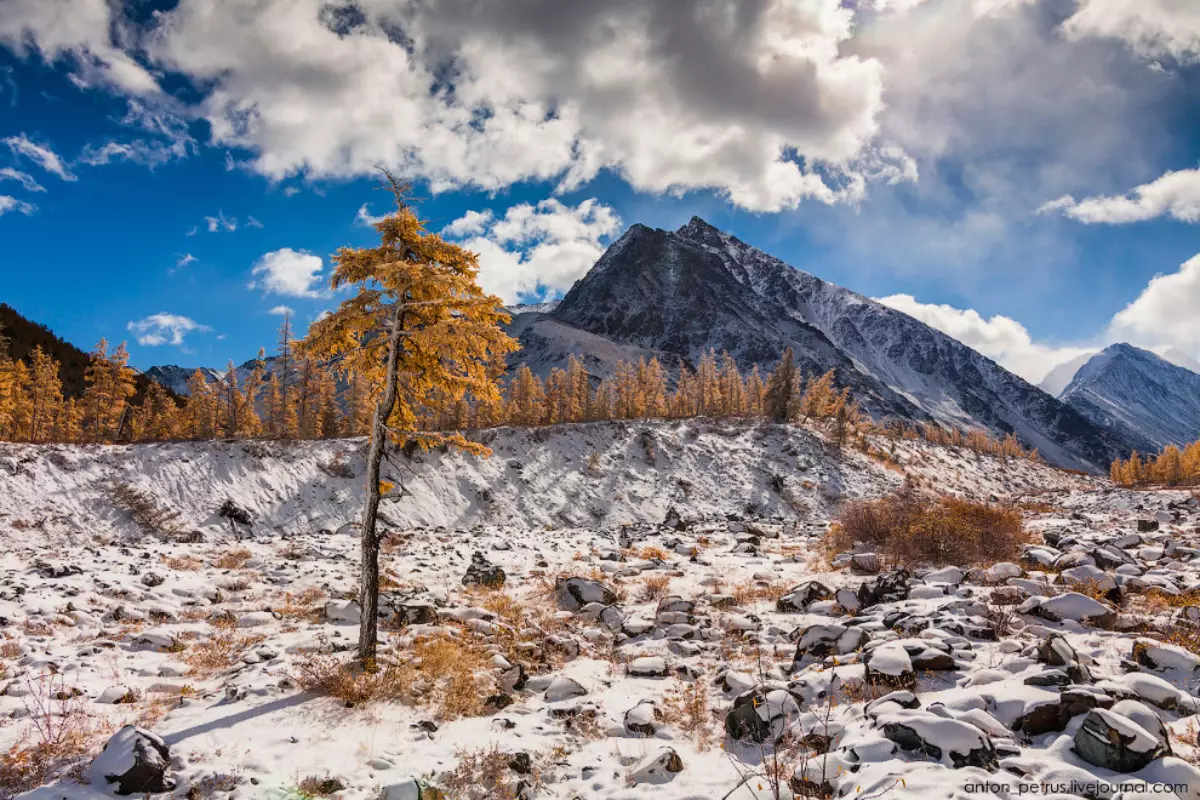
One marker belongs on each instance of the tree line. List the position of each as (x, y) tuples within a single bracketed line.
[(297, 396), (1173, 466)]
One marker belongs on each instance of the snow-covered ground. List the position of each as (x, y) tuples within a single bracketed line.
[(727, 624)]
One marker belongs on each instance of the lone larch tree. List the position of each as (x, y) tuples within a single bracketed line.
[(424, 335)]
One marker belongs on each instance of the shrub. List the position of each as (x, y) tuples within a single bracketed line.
[(910, 530), (154, 517), (233, 559)]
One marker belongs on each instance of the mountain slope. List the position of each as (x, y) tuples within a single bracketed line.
[(1148, 400), (24, 335), (687, 291), (1058, 379)]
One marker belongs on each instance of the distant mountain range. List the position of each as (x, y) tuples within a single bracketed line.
[(677, 294)]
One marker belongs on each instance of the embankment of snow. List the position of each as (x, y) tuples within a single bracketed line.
[(584, 475)]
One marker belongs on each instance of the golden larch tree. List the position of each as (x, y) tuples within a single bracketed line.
[(425, 334)]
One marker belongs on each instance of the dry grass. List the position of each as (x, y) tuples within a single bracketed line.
[(909, 530), (58, 731), (652, 554), (233, 559), (319, 786), (440, 671), (307, 604), (654, 588), (686, 708), (184, 563), (748, 593), (488, 774), (221, 651)]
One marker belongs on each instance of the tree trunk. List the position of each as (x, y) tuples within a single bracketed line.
[(368, 586)]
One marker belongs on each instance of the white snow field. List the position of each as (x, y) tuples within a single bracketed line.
[(669, 624)]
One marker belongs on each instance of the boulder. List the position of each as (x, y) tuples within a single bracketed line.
[(643, 719), (1156, 655), (1073, 606), (1057, 652), (658, 767), (1115, 742), (134, 762), (950, 741), (483, 573), (890, 588), (762, 714), (799, 598), (564, 688), (575, 593), (819, 641)]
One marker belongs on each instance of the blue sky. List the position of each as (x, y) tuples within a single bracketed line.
[(1015, 172)]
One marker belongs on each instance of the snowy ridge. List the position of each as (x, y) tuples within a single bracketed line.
[(591, 474), (1150, 400)]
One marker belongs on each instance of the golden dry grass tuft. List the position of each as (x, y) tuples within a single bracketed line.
[(439, 671), (909, 530), (233, 559)]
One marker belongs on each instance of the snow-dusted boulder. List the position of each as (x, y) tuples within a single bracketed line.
[(1115, 742), (658, 767), (950, 741), (575, 593), (134, 762)]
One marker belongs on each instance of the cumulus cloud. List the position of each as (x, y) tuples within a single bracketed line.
[(40, 154), (25, 179), (1152, 28), (1175, 194), (281, 311), (1000, 338), (164, 328), (743, 98), (9, 203), (1164, 314), (288, 272), (535, 250), (85, 31)]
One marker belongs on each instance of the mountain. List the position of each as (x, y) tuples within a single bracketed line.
[(24, 335), (1144, 398), (176, 378), (1058, 379), (677, 294)]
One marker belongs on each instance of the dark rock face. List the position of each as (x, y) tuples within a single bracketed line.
[(235, 513), (1115, 742), (888, 588), (575, 593), (799, 598), (675, 295)]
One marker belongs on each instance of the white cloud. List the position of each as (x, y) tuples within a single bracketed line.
[(1175, 194), (280, 311), (40, 154), (288, 272), (83, 30), (365, 217), (25, 179), (138, 151), (9, 203), (1164, 314), (534, 250), (221, 223), (1000, 338), (743, 98), (164, 328), (184, 260), (1152, 28)]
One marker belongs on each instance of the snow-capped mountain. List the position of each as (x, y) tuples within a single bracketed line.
[(677, 294), (1148, 401), (176, 378)]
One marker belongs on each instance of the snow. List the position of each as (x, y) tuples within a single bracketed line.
[(74, 594)]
